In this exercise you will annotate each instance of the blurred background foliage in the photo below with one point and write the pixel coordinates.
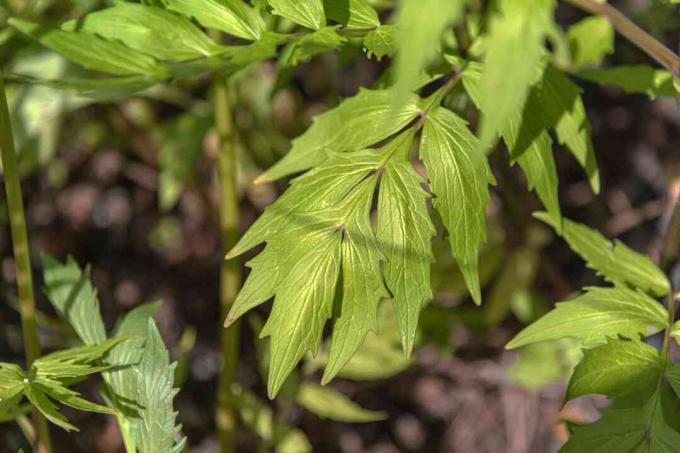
(129, 186)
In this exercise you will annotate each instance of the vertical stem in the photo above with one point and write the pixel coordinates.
(22, 258)
(230, 272)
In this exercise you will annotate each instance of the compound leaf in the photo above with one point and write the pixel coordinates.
(616, 262)
(596, 315)
(459, 178)
(234, 17)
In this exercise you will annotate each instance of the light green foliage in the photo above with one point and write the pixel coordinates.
(91, 51)
(620, 369)
(358, 122)
(595, 315)
(230, 16)
(328, 403)
(615, 261)
(404, 231)
(514, 50)
(590, 41)
(634, 79)
(322, 40)
(353, 14)
(308, 13)
(380, 42)
(673, 377)
(420, 26)
(459, 177)
(154, 31)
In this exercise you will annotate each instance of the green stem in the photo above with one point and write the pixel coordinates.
(230, 271)
(22, 258)
(643, 40)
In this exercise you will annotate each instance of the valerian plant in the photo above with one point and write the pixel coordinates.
(356, 227)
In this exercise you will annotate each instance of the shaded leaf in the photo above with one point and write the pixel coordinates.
(634, 79)
(302, 50)
(330, 404)
(351, 13)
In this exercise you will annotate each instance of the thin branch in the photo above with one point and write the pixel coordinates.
(643, 40)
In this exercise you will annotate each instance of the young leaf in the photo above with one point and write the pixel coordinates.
(322, 40)
(234, 17)
(380, 42)
(55, 390)
(596, 315)
(70, 292)
(621, 369)
(634, 79)
(640, 429)
(330, 404)
(616, 262)
(40, 401)
(91, 51)
(404, 231)
(459, 179)
(590, 41)
(514, 50)
(358, 122)
(154, 31)
(420, 26)
(156, 430)
(362, 282)
(308, 13)
(557, 101)
(352, 13)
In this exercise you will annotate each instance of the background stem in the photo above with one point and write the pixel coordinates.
(646, 42)
(22, 258)
(230, 271)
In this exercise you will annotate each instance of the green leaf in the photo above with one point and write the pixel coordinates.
(75, 362)
(673, 377)
(621, 370)
(404, 231)
(11, 381)
(262, 49)
(40, 401)
(514, 51)
(352, 13)
(308, 13)
(235, 17)
(616, 262)
(381, 42)
(635, 430)
(633, 79)
(322, 40)
(596, 315)
(156, 430)
(539, 364)
(420, 26)
(362, 283)
(330, 404)
(91, 51)
(533, 153)
(358, 122)
(154, 31)
(68, 397)
(557, 101)
(459, 178)
(71, 293)
(590, 41)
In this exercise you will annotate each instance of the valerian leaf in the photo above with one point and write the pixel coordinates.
(46, 407)
(380, 42)
(322, 40)
(420, 26)
(590, 41)
(91, 51)
(596, 315)
(352, 13)
(358, 122)
(514, 50)
(635, 430)
(634, 79)
(557, 101)
(154, 31)
(532, 150)
(616, 262)
(234, 17)
(459, 178)
(308, 13)
(330, 404)
(620, 369)
(404, 232)
(71, 293)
